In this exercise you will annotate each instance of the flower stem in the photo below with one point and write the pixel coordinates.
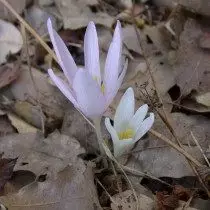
(97, 123)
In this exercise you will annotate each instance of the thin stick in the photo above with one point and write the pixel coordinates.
(28, 27)
(198, 145)
(32, 78)
(175, 146)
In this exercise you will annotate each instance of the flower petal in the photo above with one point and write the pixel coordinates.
(89, 95)
(91, 51)
(64, 57)
(138, 117)
(120, 146)
(63, 86)
(113, 61)
(144, 127)
(125, 111)
(113, 93)
(111, 130)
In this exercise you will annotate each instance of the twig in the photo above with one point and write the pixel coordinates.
(198, 145)
(28, 27)
(175, 146)
(32, 78)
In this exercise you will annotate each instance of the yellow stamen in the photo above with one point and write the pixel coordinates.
(127, 134)
(102, 88)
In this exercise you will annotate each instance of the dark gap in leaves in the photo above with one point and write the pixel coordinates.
(93, 8)
(23, 163)
(161, 63)
(188, 182)
(6, 170)
(88, 157)
(174, 92)
(22, 178)
(149, 40)
(42, 178)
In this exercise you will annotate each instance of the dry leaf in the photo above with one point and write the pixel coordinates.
(18, 5)
(11, 40)
(5, 126)
(77, 14)
(72, 189)
(37, 18)
(126, 201)
(191, 62)
(8, 73)
(52, 101)
(41, 156)
(21, 125)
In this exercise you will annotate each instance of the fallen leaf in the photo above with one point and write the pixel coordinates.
(166, 202)
(77, 14)
(72, 189)
(19, 6)
(5, 126)
(41, 156)
(191, 62)
(52, 101)
(126, 200)
(37, 18)
(21, 125)
(6, 170)
(8, 73)
(11, 40)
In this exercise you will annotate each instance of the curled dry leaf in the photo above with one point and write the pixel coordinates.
(11, 40)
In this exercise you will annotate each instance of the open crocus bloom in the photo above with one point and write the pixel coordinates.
(86, 88)
(128, 127)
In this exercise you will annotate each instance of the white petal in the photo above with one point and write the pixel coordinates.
(91, 51)
(113, 62)
(89, 95)
(63, 86)
(145, 126)
(120, 146)
(113, 93)
(111, 130)
(125, 111)
(123, 146)
(64, 57)
(138, 117)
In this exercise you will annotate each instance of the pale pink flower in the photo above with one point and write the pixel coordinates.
(89, 90)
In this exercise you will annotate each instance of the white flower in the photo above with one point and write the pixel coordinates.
(86, 88)
(128, 127)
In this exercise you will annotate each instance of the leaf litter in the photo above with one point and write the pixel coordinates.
(61, 165)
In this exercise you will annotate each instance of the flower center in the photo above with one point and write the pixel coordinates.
(102, 85)
(126, 134)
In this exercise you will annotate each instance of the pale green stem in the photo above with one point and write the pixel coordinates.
(97, 123)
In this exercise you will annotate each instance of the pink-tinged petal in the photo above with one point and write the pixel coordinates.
(144, 127)
(124, 111)
(91, 51)
(113, 93)
(138, 117)
(113, 61)
(64, 57)
(63, 87)
(89, 95)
